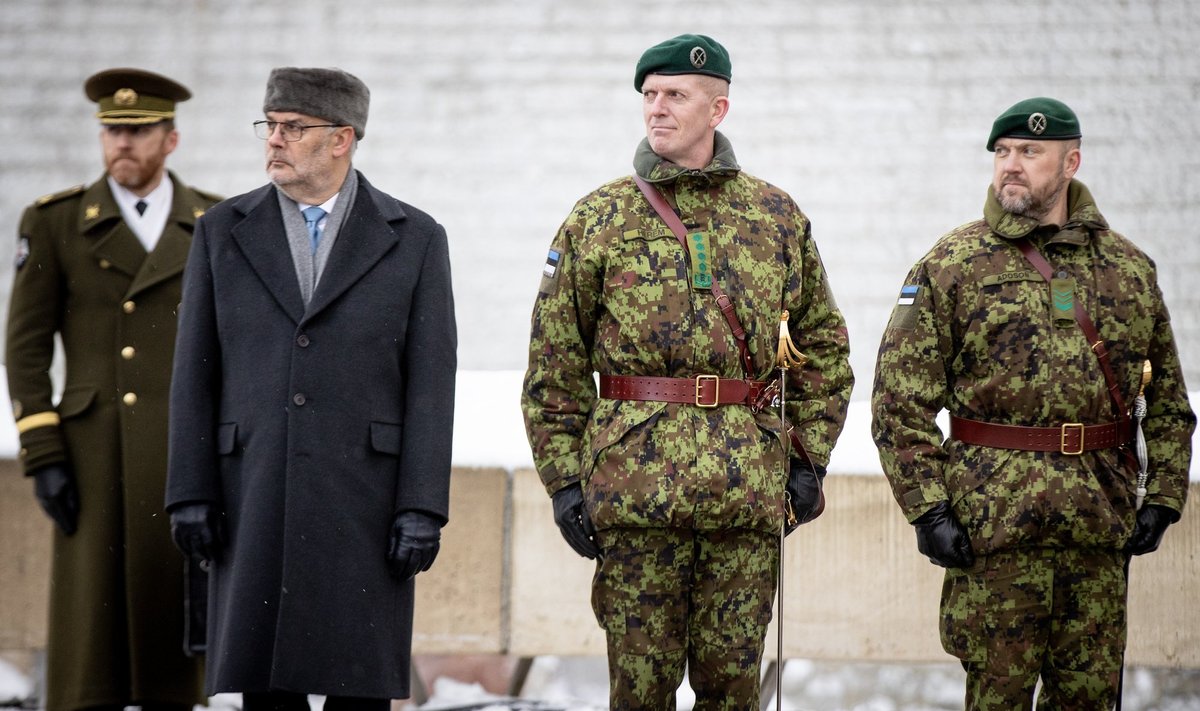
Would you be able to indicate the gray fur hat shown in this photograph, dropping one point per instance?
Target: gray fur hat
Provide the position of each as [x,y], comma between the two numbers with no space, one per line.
[331,94]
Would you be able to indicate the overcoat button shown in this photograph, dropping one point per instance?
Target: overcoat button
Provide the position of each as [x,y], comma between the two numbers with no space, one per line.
[299,399]
[129,399]
[302,341]
[129,307]
[128,353]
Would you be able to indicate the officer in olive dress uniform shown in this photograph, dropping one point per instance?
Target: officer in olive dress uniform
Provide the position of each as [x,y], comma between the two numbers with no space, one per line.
[101,266]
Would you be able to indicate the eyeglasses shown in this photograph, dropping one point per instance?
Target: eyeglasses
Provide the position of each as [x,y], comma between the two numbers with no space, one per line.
[290,131]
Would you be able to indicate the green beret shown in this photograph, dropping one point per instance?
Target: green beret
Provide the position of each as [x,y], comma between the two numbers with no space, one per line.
[1039,118]
[134,96]
[685,54]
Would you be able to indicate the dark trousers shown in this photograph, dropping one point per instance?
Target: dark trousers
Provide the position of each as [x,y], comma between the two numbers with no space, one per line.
[292,701]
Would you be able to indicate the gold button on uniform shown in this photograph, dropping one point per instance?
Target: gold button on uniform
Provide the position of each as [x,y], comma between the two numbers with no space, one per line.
[105,264]
[130,399]
[129,307]
[128,353]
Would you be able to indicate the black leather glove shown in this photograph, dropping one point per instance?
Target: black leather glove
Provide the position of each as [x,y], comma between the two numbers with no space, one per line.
[573,521]
[414,542]
[55,489]
[943,539]
[804,493]
[198,530]
[1152,522]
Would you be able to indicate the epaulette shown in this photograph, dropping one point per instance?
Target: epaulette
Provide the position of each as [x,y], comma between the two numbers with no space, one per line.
[55,197]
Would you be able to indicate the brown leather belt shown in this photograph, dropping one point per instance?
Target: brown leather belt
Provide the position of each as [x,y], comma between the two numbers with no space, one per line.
[1069,438]
[702,390]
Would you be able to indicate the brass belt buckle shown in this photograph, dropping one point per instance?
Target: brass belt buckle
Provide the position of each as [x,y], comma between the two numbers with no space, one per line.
[716,400]
[1062,443]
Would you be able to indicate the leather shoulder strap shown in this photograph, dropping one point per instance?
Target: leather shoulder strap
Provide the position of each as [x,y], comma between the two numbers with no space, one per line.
[1085,324]
[659,203]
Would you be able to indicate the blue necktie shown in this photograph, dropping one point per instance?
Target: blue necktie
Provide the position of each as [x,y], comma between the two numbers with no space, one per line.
[312,217]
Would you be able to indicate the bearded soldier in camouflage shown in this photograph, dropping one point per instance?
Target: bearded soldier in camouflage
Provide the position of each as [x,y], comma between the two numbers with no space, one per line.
[1030,504]
[672,478]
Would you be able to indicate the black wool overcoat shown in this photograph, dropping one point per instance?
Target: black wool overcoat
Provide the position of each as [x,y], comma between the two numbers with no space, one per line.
[310,428]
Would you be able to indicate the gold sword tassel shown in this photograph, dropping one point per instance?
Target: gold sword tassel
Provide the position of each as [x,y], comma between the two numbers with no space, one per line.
[787,356]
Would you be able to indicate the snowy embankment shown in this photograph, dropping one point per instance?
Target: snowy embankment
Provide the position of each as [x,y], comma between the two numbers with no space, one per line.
[489,432]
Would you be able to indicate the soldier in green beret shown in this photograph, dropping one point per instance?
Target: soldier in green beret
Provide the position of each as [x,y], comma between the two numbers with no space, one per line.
[101,267]
[1044,334]
[673,478]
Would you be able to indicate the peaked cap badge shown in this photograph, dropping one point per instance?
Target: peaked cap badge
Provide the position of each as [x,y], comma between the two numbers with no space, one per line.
[125,97]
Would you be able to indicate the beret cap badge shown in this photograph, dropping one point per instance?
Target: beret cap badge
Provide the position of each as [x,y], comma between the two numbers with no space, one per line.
[698,57]
[1037,123]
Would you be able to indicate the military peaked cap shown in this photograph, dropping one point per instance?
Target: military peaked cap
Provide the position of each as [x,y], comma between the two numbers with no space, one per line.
[134,96]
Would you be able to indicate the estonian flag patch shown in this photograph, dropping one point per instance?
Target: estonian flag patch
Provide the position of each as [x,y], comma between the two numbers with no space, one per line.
[551,267]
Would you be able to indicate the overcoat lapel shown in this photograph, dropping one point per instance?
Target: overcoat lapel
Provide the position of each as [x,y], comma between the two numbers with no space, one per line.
[364,239]
[171,252]
[114,243]
[263,239]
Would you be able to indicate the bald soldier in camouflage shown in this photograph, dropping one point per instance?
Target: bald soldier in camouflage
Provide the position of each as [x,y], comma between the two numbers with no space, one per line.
[1030,504]
[101,267]
[674,484]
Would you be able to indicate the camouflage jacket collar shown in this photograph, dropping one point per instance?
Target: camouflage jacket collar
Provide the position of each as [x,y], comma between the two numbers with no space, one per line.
[656,169]
[1084,218]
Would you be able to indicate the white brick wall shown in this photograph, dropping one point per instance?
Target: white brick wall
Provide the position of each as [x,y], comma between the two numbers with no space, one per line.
[496,116]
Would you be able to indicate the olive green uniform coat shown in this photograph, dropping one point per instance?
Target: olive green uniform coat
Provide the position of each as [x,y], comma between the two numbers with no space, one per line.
[116,606]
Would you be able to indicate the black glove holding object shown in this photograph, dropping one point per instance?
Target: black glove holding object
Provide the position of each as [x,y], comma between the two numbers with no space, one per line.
[804,493]
[413,544]
[198,529]
[55,489]
[1152,522]
[573,521]
[942,538]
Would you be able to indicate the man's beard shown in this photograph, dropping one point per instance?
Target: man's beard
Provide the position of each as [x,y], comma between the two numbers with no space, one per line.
[1030,204]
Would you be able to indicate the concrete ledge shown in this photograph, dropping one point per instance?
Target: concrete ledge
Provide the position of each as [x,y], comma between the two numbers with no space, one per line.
[506,583]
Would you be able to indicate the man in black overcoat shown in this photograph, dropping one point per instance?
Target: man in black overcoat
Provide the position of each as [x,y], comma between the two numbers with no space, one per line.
[311,412]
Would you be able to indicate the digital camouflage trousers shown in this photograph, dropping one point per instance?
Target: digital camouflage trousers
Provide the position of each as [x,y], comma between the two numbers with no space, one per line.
[1038,613]
[675,598]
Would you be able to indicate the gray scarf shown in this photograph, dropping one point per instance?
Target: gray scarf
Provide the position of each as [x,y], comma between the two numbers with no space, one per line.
[309,266]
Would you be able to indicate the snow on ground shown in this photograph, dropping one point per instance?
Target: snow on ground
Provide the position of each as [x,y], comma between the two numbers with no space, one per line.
[14,687]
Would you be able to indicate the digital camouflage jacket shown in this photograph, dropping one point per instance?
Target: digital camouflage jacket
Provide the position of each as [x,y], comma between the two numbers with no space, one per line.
[617,298]
[974,333]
